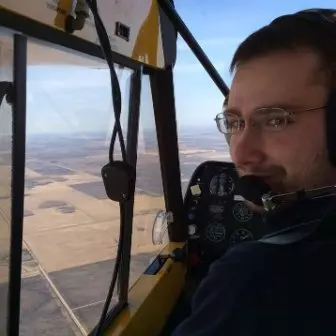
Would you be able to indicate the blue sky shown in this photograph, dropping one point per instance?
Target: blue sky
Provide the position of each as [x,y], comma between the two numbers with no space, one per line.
[75,99]
[220,28]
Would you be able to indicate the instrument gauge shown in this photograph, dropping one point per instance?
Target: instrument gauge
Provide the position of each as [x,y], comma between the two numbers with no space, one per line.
[215,232]
[242,213]
[221,185]
[240,235]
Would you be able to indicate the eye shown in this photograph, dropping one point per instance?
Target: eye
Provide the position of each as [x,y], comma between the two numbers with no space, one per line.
[233,124]
[273,118]
[276,121]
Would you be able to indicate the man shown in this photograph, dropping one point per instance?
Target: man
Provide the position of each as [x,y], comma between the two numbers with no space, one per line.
[280,121]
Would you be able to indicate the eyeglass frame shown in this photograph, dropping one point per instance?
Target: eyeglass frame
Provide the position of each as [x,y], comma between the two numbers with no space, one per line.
[286,115]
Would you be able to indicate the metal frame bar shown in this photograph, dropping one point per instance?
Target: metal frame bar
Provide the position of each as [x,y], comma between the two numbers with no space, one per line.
[18,182]
[162,87]
[168,7]
[132,156]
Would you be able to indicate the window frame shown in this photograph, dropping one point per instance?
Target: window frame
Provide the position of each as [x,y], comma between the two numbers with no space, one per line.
[37,32]
[162,90]
[18,181]
[162,87]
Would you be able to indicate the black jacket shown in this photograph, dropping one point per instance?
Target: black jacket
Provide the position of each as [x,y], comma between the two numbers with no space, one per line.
[282,285]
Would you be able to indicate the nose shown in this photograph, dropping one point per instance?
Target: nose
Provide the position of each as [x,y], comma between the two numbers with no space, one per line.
[247,149]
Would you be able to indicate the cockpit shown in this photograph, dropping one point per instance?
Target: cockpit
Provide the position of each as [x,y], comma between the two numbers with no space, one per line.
[117,192]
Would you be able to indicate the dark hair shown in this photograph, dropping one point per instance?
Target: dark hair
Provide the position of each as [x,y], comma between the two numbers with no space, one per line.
[289,34]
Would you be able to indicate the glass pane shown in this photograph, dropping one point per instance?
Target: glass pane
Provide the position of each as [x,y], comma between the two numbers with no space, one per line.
[71,229]
[149,199]
[218,29]
[197,100]
[6,74]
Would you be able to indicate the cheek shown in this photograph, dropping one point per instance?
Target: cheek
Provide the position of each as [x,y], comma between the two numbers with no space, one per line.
[300,152]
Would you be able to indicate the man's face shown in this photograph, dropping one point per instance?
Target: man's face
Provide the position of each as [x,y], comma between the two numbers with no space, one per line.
[296,156]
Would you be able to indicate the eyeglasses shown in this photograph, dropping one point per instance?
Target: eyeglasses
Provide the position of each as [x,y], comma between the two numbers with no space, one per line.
[268,119]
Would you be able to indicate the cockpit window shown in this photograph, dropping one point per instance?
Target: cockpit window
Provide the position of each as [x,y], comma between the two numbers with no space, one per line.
[71,228]
[198,101]
[218,29]
[149,199]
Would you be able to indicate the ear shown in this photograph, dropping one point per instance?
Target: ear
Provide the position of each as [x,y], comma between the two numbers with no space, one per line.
[225,103]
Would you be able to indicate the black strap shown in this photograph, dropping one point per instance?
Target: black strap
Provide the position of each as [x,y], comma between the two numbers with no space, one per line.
[322,227]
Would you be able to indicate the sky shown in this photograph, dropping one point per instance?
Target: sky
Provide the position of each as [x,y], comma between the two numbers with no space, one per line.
[75,99]
[219,29]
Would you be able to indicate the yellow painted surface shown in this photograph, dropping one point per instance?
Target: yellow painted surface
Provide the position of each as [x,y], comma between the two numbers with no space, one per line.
[141,17]
[145,45]
[59,17]
[151,300]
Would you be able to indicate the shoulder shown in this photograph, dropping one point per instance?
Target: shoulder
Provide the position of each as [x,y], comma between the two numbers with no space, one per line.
[244,267]
[245,253]
[249,259]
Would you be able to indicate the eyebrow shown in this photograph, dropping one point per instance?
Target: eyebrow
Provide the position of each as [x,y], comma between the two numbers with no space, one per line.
[287,107]
[231,110]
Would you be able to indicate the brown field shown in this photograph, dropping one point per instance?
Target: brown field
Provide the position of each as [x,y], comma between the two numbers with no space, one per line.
[71,230]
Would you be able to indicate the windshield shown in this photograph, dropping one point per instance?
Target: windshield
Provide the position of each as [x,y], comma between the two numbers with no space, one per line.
[219,28]
[71,228]
[149,198]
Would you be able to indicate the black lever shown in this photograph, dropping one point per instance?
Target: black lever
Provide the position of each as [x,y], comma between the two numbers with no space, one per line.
[6,90]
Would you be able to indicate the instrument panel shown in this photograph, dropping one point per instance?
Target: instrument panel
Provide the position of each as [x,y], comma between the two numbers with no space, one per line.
[218,218]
